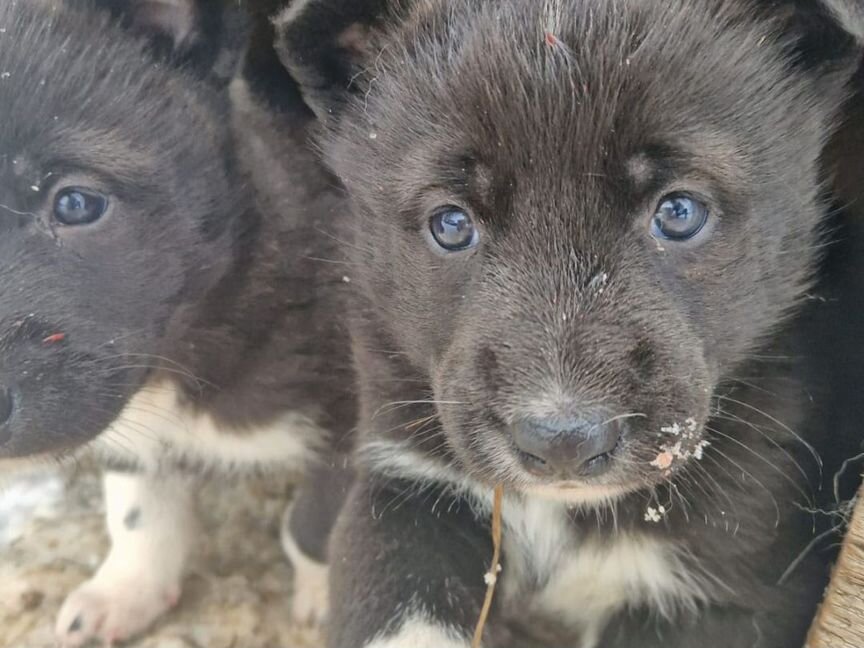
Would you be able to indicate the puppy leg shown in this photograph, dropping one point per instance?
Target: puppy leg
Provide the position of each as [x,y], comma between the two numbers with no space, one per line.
[306,531]
[151,522]
[408,568]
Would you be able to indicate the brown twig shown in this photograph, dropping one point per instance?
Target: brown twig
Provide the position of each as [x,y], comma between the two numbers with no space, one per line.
[839,621]
[492,575]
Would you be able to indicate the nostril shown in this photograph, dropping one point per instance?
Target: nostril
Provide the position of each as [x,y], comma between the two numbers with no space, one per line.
[535,464]
[7,405]
[565,446]
[535,444]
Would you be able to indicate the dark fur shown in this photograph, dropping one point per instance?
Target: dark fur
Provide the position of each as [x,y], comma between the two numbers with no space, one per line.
[561,145]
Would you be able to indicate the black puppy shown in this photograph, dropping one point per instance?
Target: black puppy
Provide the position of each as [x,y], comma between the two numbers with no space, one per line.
[580,230]
[162,294]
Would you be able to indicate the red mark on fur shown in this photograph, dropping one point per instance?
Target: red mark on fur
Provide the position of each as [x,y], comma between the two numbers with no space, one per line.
[54,339]
[551,39]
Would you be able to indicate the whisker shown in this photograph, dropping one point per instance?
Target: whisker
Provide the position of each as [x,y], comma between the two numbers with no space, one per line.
[839,474]
[717,489]
[744,473]
[621,417]
[774,466]
[728,416]
[395,405]
[781,424]
[16,212]
[805,552]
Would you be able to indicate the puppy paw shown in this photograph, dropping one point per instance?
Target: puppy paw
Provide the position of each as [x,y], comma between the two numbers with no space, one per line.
[112,608]
[310,604]
[311,582]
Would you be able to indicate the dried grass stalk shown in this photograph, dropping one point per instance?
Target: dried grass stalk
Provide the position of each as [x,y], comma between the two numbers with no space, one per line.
[494,569]
[840,620]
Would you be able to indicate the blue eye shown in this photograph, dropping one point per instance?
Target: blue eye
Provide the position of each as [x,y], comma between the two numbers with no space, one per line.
[77,206]
[679,218]
[453,229]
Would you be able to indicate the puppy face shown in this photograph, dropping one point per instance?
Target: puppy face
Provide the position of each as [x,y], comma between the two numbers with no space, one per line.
[577,217]
[112,196]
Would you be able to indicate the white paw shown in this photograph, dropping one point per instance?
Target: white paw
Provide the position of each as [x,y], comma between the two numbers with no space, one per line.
[112,609]
[151,521]
[311,582]
[311,593]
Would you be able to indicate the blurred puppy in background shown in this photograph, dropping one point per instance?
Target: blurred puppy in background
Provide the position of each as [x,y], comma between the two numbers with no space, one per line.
[170,294]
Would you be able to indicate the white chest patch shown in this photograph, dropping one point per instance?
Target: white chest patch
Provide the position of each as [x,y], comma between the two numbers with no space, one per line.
[549,570]
[155,427]
[583,583]
[419,632]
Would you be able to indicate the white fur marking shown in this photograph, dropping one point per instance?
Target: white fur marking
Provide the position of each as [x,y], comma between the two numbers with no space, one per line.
[311,581]
[398,460]
[141,577]
[584,582]
[419,632]
[289,15]
[155,425]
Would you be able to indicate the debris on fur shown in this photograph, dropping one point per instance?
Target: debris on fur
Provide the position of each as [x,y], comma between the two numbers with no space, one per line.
[687,444]
[664,460]
[653,514]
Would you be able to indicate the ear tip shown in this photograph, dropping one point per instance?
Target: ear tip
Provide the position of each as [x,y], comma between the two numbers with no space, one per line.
[302,16]
[322,42]
[285,17]
[850,15]
[176,19]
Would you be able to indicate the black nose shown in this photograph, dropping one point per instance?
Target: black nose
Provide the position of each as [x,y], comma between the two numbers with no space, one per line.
[566,447]
[7,406]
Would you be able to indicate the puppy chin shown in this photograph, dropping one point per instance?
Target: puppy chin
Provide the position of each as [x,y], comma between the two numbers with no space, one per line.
[578,494]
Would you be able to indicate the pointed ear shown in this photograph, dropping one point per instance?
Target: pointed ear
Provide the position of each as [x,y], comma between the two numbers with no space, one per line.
[827,31]
[178,21]
[849,14]
[825,38]
[325,43]
[175,24]
[179,31]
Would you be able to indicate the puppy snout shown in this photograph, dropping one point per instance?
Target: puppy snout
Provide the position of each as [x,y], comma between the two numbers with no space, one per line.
[566,448]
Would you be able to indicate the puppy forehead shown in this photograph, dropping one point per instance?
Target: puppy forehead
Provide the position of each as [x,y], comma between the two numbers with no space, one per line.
[601,98]
[560,69]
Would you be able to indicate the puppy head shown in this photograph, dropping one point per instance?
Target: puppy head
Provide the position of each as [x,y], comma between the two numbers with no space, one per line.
[576,217]
[114,209]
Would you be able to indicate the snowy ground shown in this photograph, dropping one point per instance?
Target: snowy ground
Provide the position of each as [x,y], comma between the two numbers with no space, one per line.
[237,594]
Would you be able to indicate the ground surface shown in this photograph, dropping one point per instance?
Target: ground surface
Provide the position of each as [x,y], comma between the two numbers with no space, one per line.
[237,594]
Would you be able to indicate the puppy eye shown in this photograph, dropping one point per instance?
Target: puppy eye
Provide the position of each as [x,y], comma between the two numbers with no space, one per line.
[77,206]
[453,229]
[679,218]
